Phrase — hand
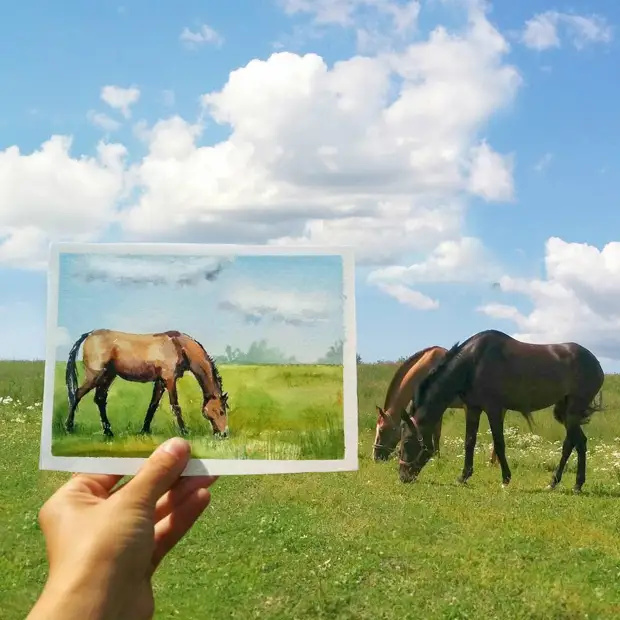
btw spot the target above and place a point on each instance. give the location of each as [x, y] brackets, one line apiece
[104, 545]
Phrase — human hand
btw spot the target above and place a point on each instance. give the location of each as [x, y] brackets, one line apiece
[104, 545]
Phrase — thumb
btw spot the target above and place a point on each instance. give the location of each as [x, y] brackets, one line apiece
[160, 471]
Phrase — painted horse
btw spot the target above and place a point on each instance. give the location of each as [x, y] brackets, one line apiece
[493, 372]
[398, 398]
[161, 358]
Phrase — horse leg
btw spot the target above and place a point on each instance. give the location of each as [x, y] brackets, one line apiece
[89, 383]
[158, 392]
[559, 413]
[101, 399]
[472, 423]
[171, 386]
[437, 436]
[494, 460]
[496, 422]
[581, 442]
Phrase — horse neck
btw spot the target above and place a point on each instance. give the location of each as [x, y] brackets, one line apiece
[409, 382]
[453, 379]
[201, 368]
[395, 388]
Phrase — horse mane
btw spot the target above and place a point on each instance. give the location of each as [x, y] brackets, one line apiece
[216, 373]
[401, 372]
[214, 370]
[449, 358]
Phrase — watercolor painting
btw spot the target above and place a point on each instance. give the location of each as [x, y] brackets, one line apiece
[248, 352]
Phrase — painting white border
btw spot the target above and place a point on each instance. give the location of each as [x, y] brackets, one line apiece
[197, 467]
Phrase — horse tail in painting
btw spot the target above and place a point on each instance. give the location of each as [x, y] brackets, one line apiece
[71, 377]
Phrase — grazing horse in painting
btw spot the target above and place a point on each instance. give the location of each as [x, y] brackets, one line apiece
[399, 395]
[160, 358]
[493, 372]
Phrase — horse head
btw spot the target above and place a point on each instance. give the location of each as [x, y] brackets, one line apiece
[215, 410]
[386, 435]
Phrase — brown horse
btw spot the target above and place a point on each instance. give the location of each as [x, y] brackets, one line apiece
[399, 396]
[160, 358]
[493, 372]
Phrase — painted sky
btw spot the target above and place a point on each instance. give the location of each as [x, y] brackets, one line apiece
[467, 149]
[293, 302]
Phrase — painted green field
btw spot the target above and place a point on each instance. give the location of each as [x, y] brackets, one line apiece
[276, 412]
[360, 545]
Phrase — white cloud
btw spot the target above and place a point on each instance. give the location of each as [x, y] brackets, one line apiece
[156, 271]
[578, 301]
[322, 155]
[103, 121]
[543, 163]
[370, 151]
[461, 260]
[408, 297]
[48, 194]
[541, 31]
[294, 308]
[205, 34]
[491, 174]
[120, 99]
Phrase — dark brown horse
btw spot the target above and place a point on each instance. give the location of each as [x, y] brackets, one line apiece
[398, 398]
[493, 372]
[160, 358]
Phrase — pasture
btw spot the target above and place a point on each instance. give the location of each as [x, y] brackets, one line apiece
[361, 545]
[276, 412]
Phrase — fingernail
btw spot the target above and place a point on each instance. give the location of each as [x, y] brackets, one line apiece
[179, 448]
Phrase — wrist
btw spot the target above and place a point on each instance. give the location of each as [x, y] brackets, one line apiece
[73, 597]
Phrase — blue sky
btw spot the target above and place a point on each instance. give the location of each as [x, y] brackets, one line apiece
[495, 177]
[293, 302]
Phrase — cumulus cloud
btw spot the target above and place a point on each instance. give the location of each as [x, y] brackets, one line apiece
[408, 297]
[204, 34]
[381, 152]
[460, 260]
[120, 99]
[541, 32]
[50, 195]
[134, 271]
[579, 300]
[296, 308]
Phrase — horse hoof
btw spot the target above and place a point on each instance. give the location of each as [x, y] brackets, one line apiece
[461, 480]
[506, 482]
[577, 490]
[550, 487]
[145, 431]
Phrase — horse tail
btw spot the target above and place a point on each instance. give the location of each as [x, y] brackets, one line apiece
[71, 377]
[593, 407]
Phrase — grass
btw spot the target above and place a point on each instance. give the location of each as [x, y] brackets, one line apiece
[361, 545]
[276, 412]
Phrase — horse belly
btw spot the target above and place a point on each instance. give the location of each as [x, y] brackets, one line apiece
[143, 363]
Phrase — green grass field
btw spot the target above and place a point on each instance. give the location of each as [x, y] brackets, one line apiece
[361, 545]
[276, 412]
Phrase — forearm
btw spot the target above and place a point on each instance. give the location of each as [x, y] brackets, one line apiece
[76, 598]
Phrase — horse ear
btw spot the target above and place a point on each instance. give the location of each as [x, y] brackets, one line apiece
[380, 411]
